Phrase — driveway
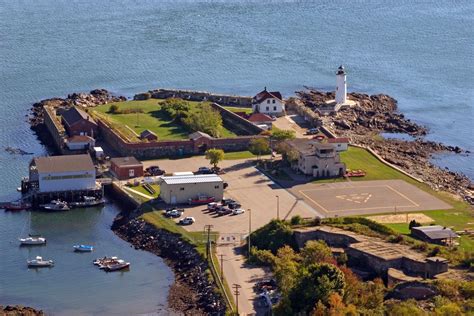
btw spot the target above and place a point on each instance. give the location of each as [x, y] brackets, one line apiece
[293, 122]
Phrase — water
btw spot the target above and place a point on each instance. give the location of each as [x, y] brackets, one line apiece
[419, 53]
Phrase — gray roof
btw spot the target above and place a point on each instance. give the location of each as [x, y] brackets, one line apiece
[69, 163]
[197, 135]
[74, 115]
[308, 146]
[125, 161]
[435, 232]
[146, 133]
[199, 178]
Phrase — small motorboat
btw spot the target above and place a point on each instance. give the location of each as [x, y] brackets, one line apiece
[88, 201]
[102, 262]
[16, 206]
[56, 205]
[119, 265]
[38, 262]
[31, 241]
[83, 248]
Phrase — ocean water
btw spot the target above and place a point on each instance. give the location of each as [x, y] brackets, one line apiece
[420, 53]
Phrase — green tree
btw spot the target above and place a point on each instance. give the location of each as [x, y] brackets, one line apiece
[259, 146]
[214, 156]
[406, 308]
[316, 251]
[273, 236]
[316, 282]
[450, 309]
[285, 268]
[279, 135]
[288, 153]
[113, 108]
[205, 119]
[176, 108]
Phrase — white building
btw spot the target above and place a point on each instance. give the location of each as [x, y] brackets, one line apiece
[341, 86]
[270, 103]
[339, 143]
[180, 189]
[63, 173]
[80, 142]
[316, 159]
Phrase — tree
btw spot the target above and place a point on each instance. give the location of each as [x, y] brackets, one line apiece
[316, 251]
[259, 146]
[289, 154]
[413, 223]
[273, 236]
[406, 308]
[214, 156]
[285, 268]
[113, 108]
[204, 119]
[279, 135]
[176, 108]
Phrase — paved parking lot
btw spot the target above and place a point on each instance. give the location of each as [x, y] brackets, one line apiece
[367, 197]
[250, 188]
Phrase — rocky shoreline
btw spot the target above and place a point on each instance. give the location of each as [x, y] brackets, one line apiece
[19, 310]
[377, 114]
[192, 293]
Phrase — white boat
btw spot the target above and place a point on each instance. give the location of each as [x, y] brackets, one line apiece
[38, 262]
[88, 201]
[83, 248]
[56, 205]
[119, 265]
[102, 262]
[33, 241]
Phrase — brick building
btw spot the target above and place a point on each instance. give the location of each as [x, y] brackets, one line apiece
[78, 122]
[126, 167]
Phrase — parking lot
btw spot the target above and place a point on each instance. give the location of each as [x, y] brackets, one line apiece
[367, 197]
[253, 190]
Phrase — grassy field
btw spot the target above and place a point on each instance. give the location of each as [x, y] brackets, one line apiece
[239, 155]
[152, 118]
[237, 109]
[141, 189]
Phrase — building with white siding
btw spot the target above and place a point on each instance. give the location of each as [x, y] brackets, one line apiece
[182, 188]
[63, 173]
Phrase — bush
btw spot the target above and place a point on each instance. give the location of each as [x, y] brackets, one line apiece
[261, 257]
[421, 246]
[273, 236]
[317, 221]
[296, 220]
[113, 109]
[142, 96]
[395, 239]
[413, 223]
[434, 252]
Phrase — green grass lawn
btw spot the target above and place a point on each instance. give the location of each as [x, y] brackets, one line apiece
[152, 118]
[239, 155]
[237, 109]
[141, 189]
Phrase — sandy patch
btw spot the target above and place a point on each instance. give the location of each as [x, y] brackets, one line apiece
[402, 218]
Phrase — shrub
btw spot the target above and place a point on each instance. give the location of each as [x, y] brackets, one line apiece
[261, 257]
[113, 109]
[421, 246]
[317, 221]
[273, 236]
[435, 251]
[413, 223]
[395, 239]
[296, 220]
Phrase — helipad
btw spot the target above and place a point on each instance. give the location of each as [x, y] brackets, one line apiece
[367, 197]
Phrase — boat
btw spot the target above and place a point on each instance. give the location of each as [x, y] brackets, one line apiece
[31, 241]
[16, 206]
[56, 205]
[87, 201]
[38, 262]
[119, 265]
[102, 262]
[83, 248]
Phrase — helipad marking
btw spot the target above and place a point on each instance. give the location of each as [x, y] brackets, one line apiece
[356, 198]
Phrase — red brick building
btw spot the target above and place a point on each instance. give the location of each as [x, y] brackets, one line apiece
[126, 167]
[78, 122]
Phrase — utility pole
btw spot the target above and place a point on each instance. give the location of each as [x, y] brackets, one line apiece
[208, 244]
[237, 293]
[278, 207]
[250, 227]
[222, 267]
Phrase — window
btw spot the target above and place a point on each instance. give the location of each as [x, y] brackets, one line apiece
[216, 187]
[274, 108]
[181, 189]
[268, 108]
[268, 101]
[273, 101]
[131, 173]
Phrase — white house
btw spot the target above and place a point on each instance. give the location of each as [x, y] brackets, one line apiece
[339, 143]
[270, 103]
[181, 188]
[80, 142]
[63, 173]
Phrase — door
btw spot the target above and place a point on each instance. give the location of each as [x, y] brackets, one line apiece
[173, 199]
[131, 173]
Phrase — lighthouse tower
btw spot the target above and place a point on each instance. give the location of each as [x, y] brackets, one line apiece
[341, 87]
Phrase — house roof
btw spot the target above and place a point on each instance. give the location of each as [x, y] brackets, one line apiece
[264, 94]
[74, 115]
[67, 163]
[125, 161]
[308, 146]
[146, 133]
[338, 140]
[80, 139]
[199, 178]
[197, 135]
[435, 232]
[259, 117]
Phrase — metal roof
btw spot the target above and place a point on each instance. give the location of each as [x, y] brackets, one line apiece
[125, 161]
[68, 163]
[436, 232]
[198, 178]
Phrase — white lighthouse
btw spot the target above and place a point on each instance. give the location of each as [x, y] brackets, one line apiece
[341, 87]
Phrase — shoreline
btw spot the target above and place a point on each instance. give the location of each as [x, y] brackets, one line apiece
[15, 310]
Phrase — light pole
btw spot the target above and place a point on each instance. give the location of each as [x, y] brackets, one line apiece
[250, 227]
[278, 207]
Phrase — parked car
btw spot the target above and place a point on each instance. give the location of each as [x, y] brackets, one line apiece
[154, 171]
[234, 205]
[223, 211]
[174, 213]
[187, 221]
[212, 206]
[204, 170]
[238, 211]
[227, 201]
[312, 131]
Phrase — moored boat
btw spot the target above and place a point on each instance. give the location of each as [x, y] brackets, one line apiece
[102, 262]
[16, 206]
[88, 201]
[56, 205]
[83, 248]
[38, 262]
[119, 265]
[31, 241]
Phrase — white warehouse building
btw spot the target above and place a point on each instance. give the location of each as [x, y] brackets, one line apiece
[63, 173]
[181, 188]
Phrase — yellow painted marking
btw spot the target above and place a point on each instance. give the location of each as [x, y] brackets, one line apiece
[322, 207]
[369, 208]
